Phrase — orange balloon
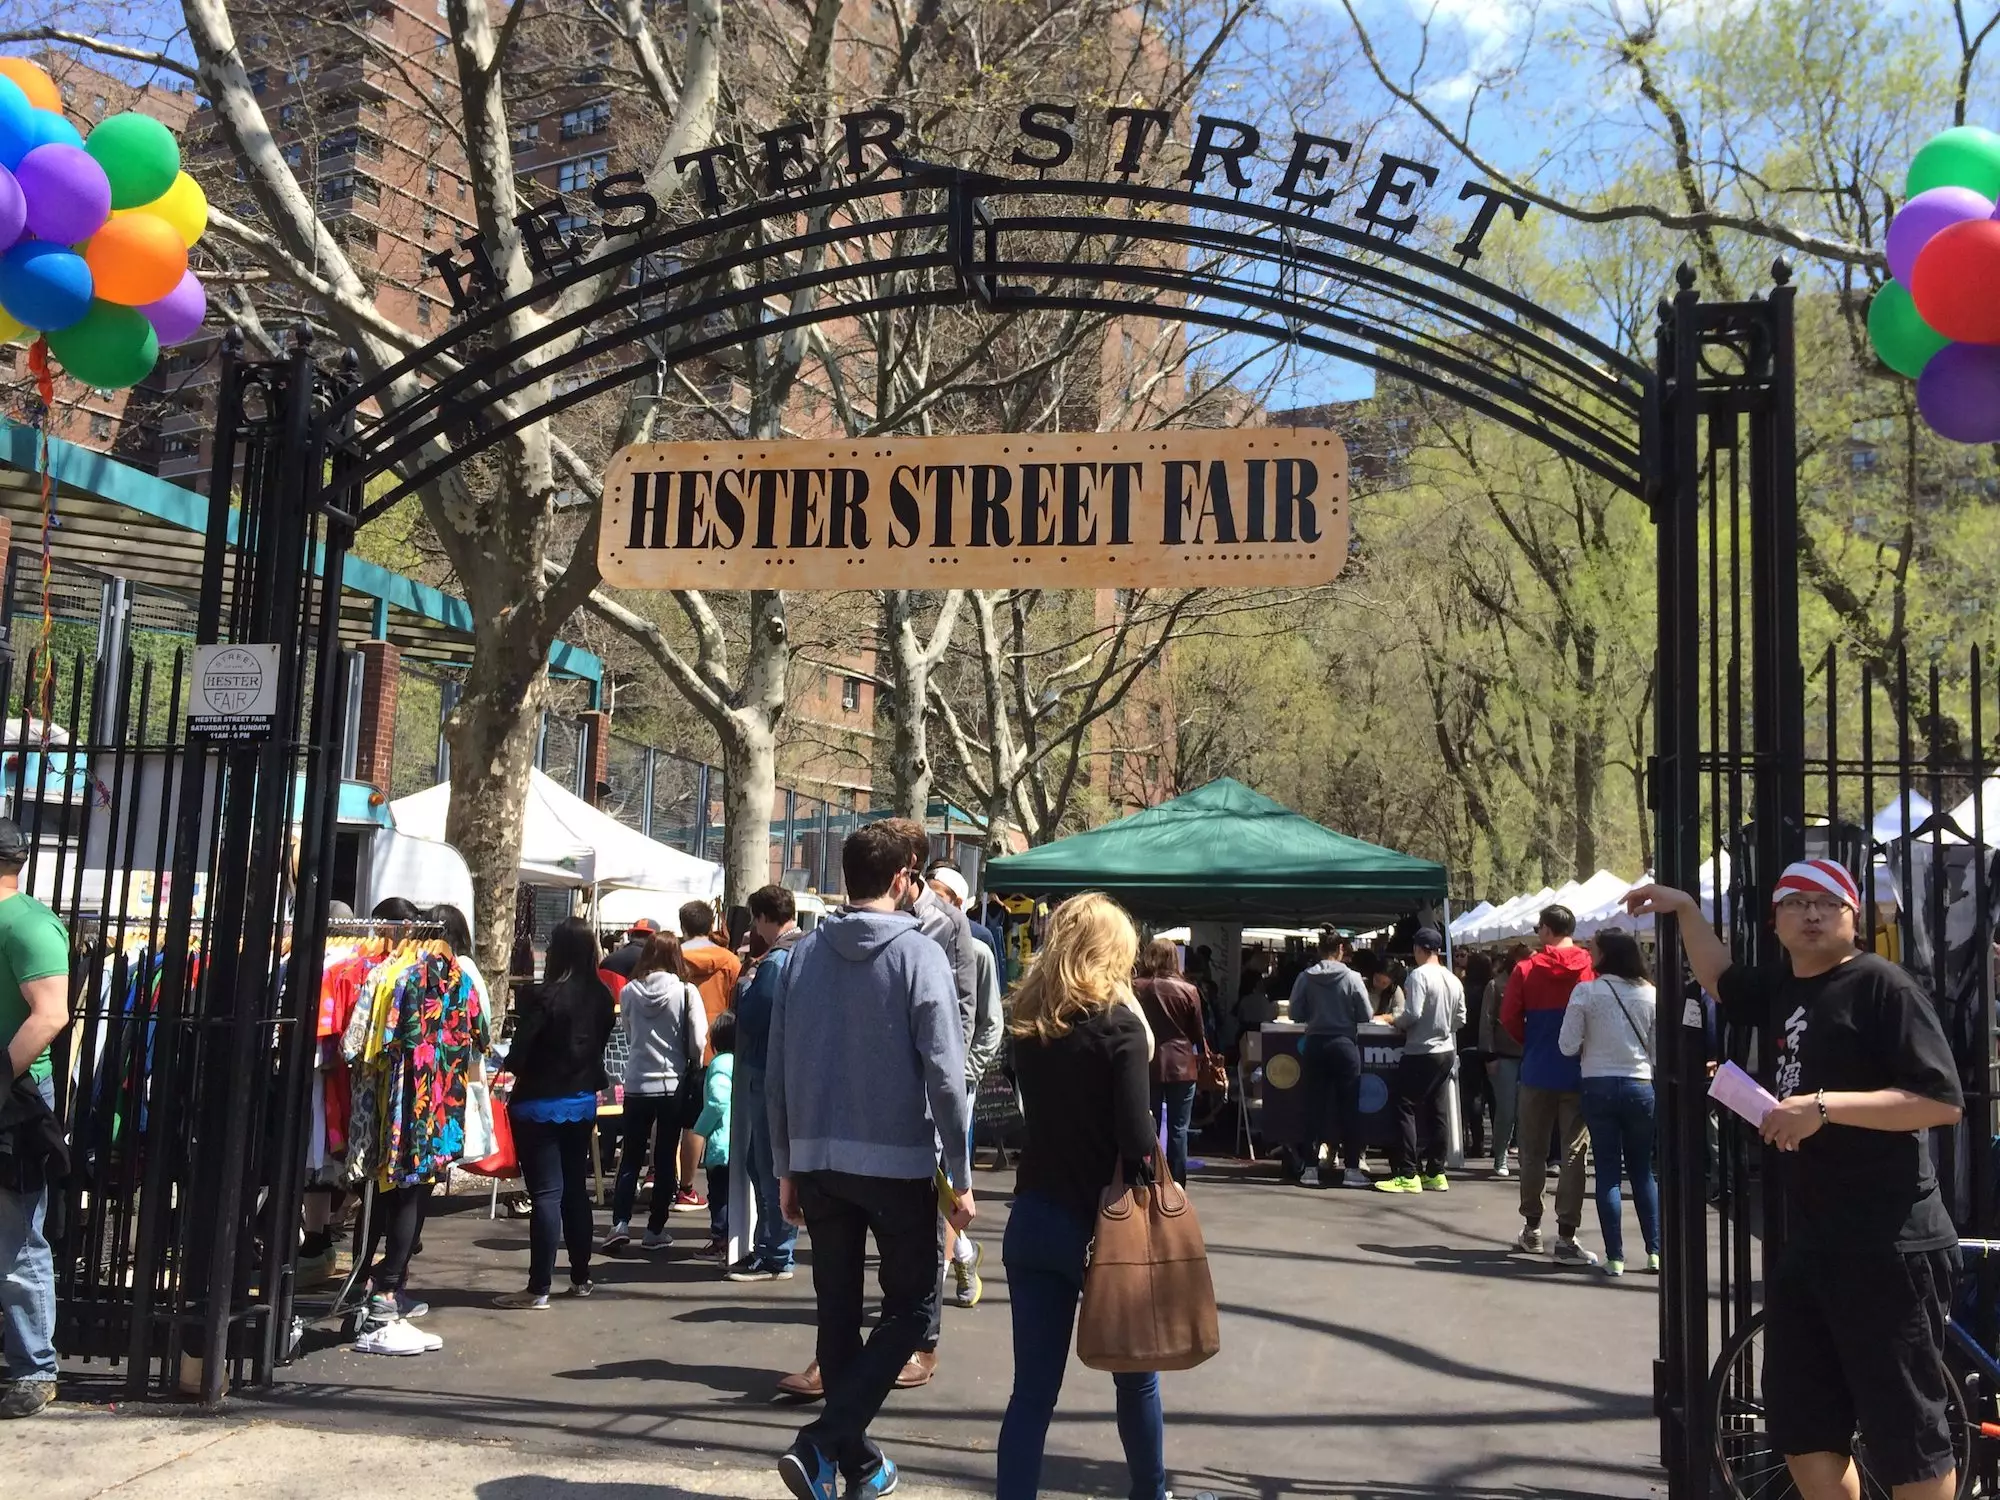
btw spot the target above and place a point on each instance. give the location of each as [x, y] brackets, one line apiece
[36, 84]
[135, 259]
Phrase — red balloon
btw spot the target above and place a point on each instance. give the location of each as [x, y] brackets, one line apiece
[1956, 283]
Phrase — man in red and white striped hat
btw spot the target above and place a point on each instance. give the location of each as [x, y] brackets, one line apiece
[1855, 1308]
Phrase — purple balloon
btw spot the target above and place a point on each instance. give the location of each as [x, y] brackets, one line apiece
[13, 209]
[1959, 393]
[1923, 216]
[177, 316]
[69, 197]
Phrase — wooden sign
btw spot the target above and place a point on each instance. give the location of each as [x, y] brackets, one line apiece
[1254, 506]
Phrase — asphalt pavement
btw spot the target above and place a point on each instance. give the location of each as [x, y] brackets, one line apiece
[1374, 1346]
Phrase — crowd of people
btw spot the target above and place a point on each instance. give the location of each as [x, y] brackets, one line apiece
[844, 1065]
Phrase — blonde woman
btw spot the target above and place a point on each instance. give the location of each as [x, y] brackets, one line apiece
[1081, 1063]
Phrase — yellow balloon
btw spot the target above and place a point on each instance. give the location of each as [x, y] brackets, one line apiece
[10, 331]
[184, 206]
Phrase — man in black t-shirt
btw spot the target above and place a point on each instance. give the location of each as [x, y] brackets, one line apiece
[1855, 1308]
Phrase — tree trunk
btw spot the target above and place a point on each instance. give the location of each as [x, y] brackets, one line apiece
[750, 783]
[909, 687]
[492, 737]
[1587, 754]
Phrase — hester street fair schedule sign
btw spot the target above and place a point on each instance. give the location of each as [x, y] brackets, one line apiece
[1259, 506]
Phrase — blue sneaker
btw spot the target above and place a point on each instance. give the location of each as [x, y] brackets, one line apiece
[809, 1473]
[881, 1482]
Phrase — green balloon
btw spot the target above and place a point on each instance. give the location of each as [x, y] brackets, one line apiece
[110, 347]
[1964, 156]
[1900, 335]
[138, 154]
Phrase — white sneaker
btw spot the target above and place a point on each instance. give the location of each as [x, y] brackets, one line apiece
[1354, 1177]
[1309, 1177]
[397, 1338]
[1501, 1170]
[1569, 1253]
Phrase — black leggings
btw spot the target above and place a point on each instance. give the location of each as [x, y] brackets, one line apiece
[396, 1223]
[555, 1165]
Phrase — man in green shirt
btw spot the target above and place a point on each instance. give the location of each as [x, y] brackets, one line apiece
[34, 1008]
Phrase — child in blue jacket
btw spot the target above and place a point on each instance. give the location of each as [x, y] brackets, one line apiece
[714, 1125]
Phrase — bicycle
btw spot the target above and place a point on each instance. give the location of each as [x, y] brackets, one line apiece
[1752, 1470]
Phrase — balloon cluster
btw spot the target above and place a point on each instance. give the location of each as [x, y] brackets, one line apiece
[1938, 321]
[94, 234]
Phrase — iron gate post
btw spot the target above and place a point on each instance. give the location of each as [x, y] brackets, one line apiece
[1726, 405]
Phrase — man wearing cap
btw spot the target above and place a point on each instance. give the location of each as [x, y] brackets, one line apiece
[623, 959]
[1429, 1013]
[962, 1254]
[34, 1009]
[1855, 1308]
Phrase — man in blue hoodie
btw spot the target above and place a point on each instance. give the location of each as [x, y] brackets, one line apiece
[866, 1079]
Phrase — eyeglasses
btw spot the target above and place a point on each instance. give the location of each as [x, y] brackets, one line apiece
[1812, 906]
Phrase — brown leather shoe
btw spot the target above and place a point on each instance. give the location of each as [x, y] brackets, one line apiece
[804, 1386]
[920, 1369]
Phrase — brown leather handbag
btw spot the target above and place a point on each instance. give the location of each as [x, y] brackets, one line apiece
[1214, 1075]
[1148, 1299]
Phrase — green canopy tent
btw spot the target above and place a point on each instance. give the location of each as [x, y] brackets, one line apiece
[1224, 853]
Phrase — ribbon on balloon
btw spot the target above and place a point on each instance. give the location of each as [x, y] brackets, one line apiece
[1938, 320]
[95, 232]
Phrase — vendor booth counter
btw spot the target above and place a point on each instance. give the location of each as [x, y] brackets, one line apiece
[1279, 1103]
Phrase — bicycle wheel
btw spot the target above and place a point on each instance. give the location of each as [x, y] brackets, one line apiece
[1751, 1468]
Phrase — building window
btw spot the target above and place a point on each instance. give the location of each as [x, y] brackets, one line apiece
[288, 114]
[438, 50]
[100, 425]
[349, 185]
[575, 176]
[431, 177]
[461, 189]
[99, 104]
[294, 154]
[7, 356]
[437, 88]
[430, 222]
[258, 79]
[433, 136]
[528, 136]
[177, 446]
[850, 693]
[423, 312]
[588, 120]
[299, 71]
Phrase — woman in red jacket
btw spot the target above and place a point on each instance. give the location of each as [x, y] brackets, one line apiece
[1173, 1010]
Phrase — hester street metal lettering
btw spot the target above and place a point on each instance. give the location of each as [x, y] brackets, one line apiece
[1260, 506]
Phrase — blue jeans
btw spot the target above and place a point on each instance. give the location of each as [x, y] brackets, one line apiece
[27, 1282]
[774, 1237]
[555, 1169]
[1178, 1101]
[1618, 1112]
[1044, 1254]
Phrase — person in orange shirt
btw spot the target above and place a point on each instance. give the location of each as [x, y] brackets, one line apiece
[713, 970]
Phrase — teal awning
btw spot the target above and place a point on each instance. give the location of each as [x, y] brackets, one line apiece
[115, 519]
[1223, 852]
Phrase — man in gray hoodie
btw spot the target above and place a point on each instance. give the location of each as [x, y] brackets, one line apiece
[1330, 1000]
[866, 1079]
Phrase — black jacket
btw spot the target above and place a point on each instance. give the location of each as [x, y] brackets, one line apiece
[559, 1034]
[33, 1153]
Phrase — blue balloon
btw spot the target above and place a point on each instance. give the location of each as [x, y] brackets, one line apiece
[19, 133]
[51, 129]
[44, 286]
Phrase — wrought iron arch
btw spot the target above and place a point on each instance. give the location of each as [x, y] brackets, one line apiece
[1130, 249]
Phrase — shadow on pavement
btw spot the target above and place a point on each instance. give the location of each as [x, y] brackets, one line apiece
[549, 1487]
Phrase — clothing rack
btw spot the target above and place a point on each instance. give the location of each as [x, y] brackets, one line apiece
[349, 1298]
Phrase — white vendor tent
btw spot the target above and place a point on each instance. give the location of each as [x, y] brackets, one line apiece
[567, 842]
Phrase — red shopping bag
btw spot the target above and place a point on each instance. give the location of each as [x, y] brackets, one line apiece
[502, 1162]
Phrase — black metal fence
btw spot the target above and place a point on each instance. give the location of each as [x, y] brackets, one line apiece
[187, 868]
